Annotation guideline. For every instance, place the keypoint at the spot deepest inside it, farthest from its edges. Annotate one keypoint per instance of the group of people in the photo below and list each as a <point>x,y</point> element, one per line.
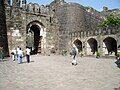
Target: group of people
<point>18,54</point>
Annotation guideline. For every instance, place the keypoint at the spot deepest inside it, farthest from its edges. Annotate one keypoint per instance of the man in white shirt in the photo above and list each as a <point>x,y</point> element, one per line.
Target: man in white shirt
<point>20,55</point>
<point>27,54</point>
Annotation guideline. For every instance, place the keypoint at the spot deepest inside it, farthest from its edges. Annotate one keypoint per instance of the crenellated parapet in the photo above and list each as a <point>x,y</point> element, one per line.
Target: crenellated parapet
<point>24,5</point>
<point>106,11</point>
<point>92,11</point>
<point>30,7</point>
<point>7,3</point>
<point>16,3</point>
<point>47,9</point>
<point>38,9</point>
<point>42,9</point>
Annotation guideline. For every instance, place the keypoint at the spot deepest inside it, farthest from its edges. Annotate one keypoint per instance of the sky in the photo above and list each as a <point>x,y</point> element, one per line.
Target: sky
<point>96,4</point>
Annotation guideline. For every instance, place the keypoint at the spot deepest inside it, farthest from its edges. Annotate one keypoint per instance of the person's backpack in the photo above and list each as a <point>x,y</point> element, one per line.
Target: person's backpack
<point>73,52</point>
<point>12,53</point>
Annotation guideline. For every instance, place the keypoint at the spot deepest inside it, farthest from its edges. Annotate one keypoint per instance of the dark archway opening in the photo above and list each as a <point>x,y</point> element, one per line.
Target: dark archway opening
<point>36,31</point>
<point>34,39</point>
<point>93,45</point>
<point>111,45</point>
<point>78,44</point>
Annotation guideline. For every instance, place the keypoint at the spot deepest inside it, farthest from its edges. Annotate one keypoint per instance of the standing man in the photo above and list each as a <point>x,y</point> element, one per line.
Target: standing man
<point>27,54</point>
<point>20,55</point>
<point>74,62</point>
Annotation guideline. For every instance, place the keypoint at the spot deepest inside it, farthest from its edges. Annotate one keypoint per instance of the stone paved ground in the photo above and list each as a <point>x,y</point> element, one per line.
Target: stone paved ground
<point>57,73</point>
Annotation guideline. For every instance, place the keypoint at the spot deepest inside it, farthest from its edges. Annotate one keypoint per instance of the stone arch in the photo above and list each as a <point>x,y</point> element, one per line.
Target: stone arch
<point>78,44</point>
<point>35,36</point>
<point>110,44</point>
<point>92,46</point>
<point>35,22</point>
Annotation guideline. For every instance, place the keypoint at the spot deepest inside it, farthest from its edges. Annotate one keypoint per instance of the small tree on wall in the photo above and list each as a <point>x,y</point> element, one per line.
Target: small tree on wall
<point>112,21</point>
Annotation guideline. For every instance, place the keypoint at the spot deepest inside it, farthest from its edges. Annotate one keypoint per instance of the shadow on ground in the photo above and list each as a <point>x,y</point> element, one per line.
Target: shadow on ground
<point>27,62</point>
<point>4,60</point>
<point>117,88</point>
<point>118,64</point>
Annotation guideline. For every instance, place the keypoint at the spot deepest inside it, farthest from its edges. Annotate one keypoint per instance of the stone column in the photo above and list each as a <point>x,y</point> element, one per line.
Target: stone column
<point>42,9</point>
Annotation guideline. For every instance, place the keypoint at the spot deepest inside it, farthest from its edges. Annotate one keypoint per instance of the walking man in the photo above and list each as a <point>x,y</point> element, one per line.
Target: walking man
<point>27,54</point>
<point>74,62</point>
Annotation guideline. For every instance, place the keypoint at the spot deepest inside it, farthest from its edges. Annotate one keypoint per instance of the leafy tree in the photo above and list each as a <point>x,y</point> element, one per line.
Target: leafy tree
<point>112,21</point>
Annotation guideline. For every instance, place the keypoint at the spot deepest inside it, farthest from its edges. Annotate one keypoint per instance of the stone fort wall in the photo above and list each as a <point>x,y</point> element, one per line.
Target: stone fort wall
<point>59,23</point>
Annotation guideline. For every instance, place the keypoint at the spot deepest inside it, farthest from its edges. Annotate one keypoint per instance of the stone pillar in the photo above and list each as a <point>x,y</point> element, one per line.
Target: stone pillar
<point>7,3</point>
<point>42,9</point>
<point>16,3</point>
<point>3,29</point>
<point>24,5</point>
<point>47,11</point>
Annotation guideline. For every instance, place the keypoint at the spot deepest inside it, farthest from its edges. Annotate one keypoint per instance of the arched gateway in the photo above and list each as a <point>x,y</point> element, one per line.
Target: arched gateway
<point>92,46</point>
<point>110,45</point>
<point>35,36</point>
<point>78,44</point>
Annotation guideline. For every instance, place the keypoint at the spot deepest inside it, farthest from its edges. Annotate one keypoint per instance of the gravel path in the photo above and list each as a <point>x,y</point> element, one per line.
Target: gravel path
<point>57,73</point>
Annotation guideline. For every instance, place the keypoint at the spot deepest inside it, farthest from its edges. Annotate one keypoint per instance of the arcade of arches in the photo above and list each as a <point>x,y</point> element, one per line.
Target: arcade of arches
<point>109,46</point>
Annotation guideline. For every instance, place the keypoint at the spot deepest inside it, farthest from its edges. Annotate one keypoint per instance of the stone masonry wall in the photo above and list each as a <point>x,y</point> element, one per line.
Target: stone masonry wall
<point>71,18</point>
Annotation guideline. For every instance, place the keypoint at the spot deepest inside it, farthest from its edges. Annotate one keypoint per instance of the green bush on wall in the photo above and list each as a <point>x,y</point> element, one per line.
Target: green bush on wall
<point>81,55</point>
<point>97,54</point>
<point>117,56</point>
<point>64,52</point>
<point>70,53</point>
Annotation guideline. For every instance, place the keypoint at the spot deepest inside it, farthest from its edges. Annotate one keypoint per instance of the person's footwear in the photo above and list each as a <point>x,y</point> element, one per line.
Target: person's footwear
<point>75,64</point>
